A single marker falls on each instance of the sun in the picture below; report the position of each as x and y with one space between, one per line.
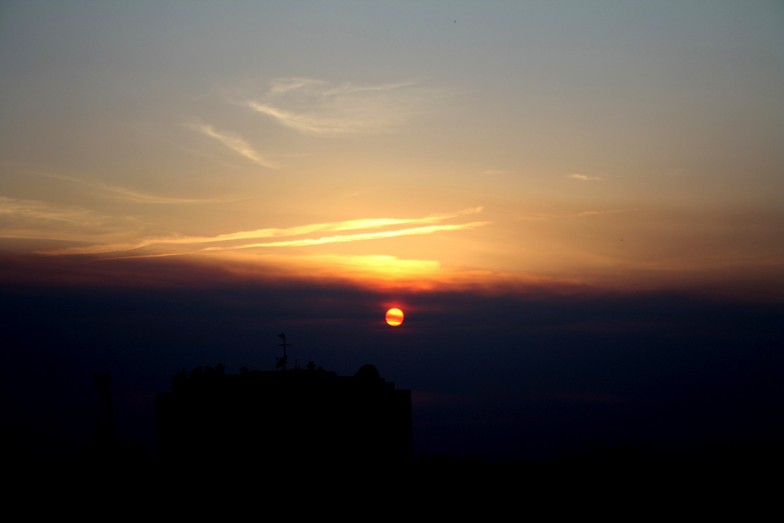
394 317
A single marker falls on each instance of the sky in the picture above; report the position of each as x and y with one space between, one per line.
576 204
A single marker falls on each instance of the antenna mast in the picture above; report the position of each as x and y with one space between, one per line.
283 360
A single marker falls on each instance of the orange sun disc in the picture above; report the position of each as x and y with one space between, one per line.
394 317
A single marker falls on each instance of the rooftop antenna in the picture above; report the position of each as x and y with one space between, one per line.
283 360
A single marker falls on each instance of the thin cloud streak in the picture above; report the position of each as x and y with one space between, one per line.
430 229
585 178
346 225
236 144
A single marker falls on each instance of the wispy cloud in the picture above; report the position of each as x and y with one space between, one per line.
43 220
236 144
585 178
344 238
125 194
36 210
426 225
538 216
585 214
495 172
317 107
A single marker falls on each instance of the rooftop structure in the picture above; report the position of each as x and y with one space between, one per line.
287 417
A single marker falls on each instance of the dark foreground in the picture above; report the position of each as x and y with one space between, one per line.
620 483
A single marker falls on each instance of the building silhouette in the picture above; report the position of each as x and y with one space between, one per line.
284 418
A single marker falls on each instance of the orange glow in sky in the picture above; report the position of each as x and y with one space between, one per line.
564 142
